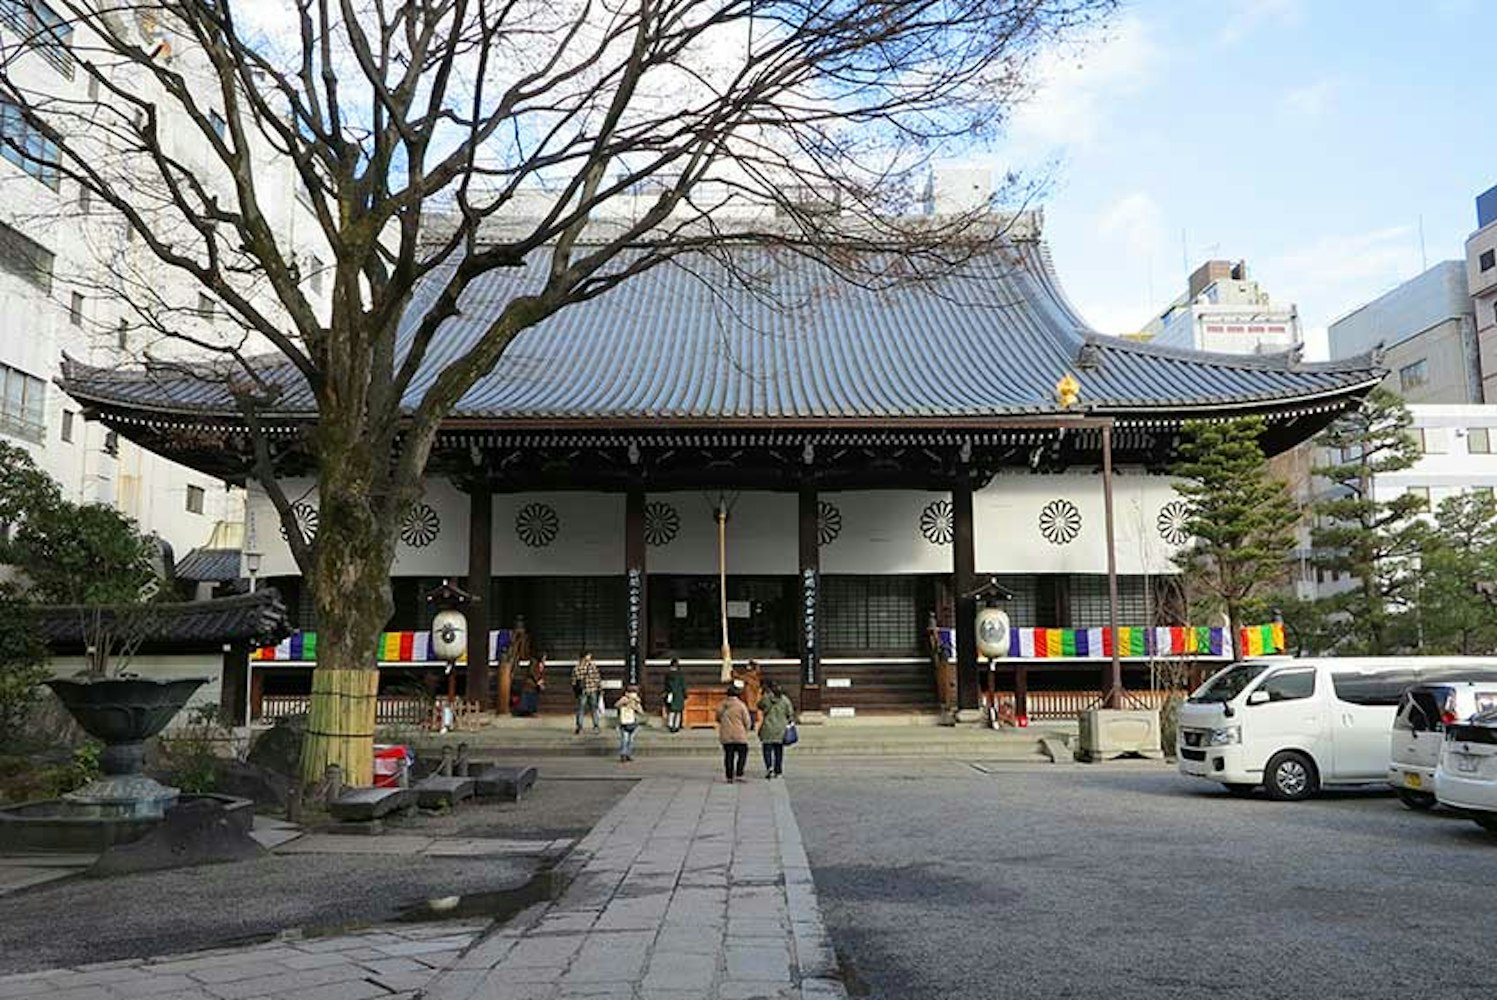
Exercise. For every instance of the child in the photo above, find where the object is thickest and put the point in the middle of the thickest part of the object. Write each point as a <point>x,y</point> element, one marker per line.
<point>630,708</point>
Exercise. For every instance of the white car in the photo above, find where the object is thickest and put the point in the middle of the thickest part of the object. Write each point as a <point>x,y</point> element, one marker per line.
<point>1466,777</point>
<point>1419,731</point>
<point>1295,726</point>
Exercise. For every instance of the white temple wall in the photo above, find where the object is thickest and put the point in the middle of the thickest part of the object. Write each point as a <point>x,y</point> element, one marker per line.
<point>1057,524</point>
<point>1023,524</point>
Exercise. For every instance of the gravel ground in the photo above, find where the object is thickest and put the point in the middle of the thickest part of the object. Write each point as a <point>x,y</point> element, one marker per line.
<point>96,920</point>
<point>557,807</point>
<point>1127,880</point>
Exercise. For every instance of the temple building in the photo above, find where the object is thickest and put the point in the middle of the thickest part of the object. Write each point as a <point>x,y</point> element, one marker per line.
<point>880,453</point>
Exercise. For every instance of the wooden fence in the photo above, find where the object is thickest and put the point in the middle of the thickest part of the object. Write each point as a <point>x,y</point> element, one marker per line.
<point>1069,704</point>
<point>387,711</point>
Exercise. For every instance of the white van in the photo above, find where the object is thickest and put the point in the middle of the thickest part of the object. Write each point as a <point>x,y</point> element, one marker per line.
<point>1424,711</point>
<point>1297,725</point>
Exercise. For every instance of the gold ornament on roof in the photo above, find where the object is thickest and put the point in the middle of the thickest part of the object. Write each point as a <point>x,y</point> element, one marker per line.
<point>1067,391</point>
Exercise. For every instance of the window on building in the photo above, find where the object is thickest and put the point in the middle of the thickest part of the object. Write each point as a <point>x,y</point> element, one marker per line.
<point>873,615</point>
<point>314,274</point>
<point>1413,376</point>
<point>26,147</point>
<point>1487,260</point>
<point>46,32</point>
<point>1089,601</point>
<point>1422,493</point>
<point>1479,440</point>
<point>85,201</point>
<point>75,309</point>
<point>23,404</point>
<point>206,306</point>
<point>1484,491</point>
<point>25,258</point>
<point>220,127</point>
<point>93,88</point>
<point>195,496</point>
<point>68,416</point>
<point>111,443</point>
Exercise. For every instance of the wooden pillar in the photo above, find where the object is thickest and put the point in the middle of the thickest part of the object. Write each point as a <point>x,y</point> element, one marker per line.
<point>233,698</point>
<point>256,693</point>
<point>964,570</point>
<point>1113,692</point>
<point>1021,690</point>
<point>635,584</point>
<point>810,599</point>
<point>480,573</point>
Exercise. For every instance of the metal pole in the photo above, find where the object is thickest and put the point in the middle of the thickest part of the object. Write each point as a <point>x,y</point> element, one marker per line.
<point>722,589</point>
<point>1114,697</point>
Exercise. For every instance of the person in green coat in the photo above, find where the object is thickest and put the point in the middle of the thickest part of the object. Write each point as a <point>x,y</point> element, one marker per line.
<point>675,696</point>
<point>777,713</point>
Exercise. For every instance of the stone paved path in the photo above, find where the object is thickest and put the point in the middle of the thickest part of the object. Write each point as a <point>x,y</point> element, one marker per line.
<point>687,890</point>
<point>390,963</point>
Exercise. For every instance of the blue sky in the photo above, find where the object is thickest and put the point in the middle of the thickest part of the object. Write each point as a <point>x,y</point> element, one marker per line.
<point>1307,136</point>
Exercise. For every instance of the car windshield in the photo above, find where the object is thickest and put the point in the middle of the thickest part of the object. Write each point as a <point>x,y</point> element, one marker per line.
<point>1229,683</point>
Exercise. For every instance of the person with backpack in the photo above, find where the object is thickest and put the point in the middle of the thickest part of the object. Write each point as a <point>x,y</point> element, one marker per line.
<point>777,717</point>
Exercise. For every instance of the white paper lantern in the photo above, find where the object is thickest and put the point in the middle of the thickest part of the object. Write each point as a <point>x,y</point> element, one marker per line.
<point>449,635</point>
<point>992,632</point>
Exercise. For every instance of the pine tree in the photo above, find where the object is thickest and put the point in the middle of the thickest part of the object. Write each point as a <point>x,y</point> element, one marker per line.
<point>1452,616</point>
<point>1375,541</point>
<point>1241,518</point>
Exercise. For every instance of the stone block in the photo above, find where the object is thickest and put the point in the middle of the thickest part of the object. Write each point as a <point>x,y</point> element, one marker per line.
<point>504,782</point>
<point>437,792</point>
<point>363,804</point>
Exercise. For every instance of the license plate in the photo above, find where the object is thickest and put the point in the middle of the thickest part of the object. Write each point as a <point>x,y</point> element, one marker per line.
<point>1466,763</point>
<point>1413,780</point>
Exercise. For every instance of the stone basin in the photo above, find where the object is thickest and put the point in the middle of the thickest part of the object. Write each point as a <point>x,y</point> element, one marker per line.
<point>58,825</point>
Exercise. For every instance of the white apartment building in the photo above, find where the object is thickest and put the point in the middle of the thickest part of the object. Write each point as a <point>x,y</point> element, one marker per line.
<point>69,268</point>
<point>1427,332</point>
<point>1481,277</point>
<point>1223,310</point>
<point>1458,454</point>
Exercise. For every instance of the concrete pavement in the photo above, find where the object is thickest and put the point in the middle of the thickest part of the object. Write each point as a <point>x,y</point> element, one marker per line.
<point>688,889</point>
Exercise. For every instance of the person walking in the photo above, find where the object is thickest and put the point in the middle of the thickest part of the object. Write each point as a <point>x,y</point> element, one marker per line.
<point>776,714</point>
<point>675,696</point>
<point>587,685</point>
<point>630,709</point>
<point>733,725</point>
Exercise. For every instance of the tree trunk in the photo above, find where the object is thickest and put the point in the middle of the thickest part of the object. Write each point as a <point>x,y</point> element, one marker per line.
<point>350,584</point>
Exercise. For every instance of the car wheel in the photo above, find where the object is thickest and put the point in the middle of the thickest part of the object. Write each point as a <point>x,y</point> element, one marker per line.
<point>1290,776</point>
<point>1418,801</point>
<point>1239,790</point>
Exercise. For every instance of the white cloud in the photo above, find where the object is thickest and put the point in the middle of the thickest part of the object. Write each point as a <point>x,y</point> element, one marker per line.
<point>1073,81</point>
<point>1135,222</point>
<point>1246,18</point>
<point>1315,99</point>
<point>1332,275</point>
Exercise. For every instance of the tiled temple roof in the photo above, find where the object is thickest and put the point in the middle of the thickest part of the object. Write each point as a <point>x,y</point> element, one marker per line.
<point>687,343</point>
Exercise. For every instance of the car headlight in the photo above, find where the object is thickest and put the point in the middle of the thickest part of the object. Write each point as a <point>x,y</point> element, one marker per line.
<point>1222,737</point>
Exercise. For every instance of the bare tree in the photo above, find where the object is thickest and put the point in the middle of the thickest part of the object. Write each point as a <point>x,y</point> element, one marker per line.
<point>433,141</point>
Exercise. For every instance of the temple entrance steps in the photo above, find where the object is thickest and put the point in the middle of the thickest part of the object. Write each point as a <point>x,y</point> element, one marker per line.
<point>894,686</point>
<point>542,737</point>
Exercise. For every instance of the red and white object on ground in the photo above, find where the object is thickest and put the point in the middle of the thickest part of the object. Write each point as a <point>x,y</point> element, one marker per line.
<point>390,765</point>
